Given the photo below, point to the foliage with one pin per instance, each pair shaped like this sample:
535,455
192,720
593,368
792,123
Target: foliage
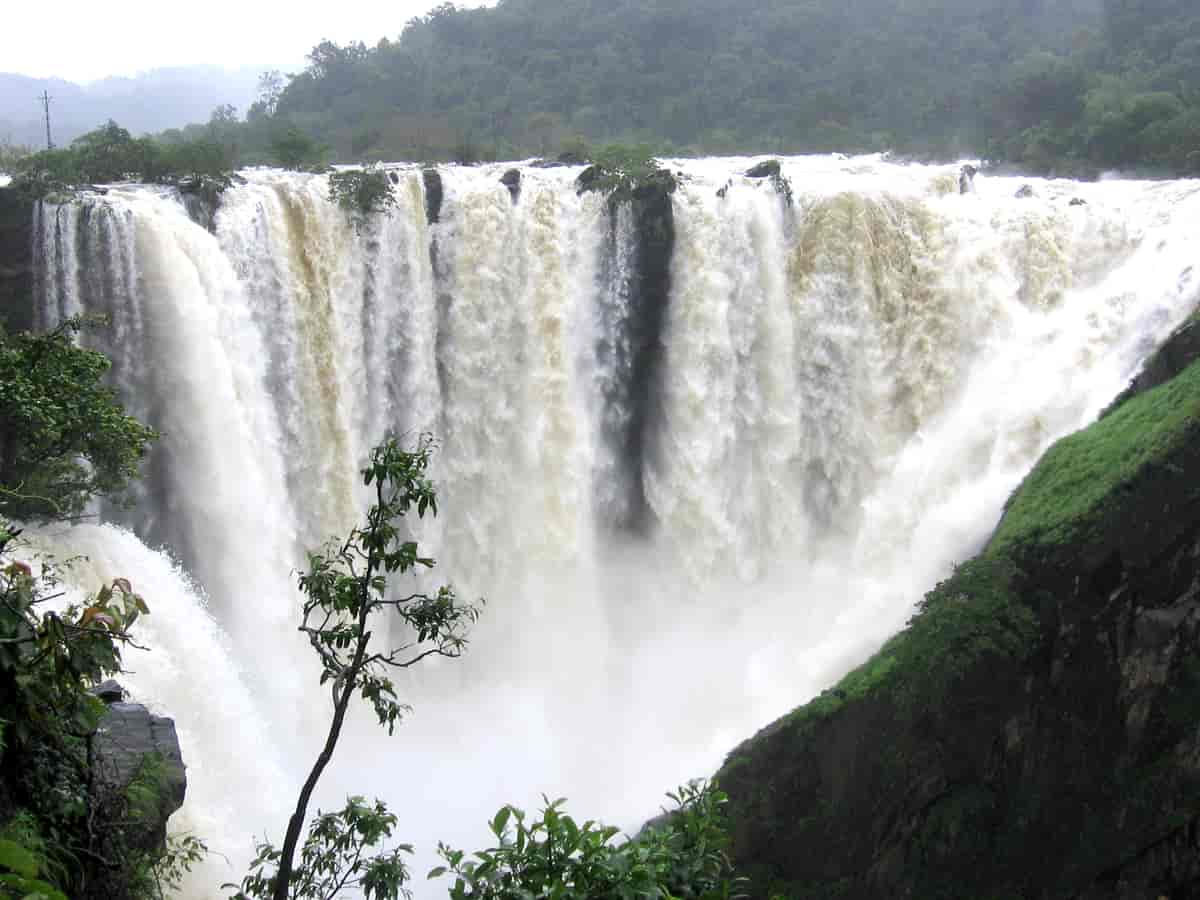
63,435
332,858
293,149
19,874
63,439
345,587
48,659
110,153
618,171
1068,85
167,869
680,855
11,154
362,192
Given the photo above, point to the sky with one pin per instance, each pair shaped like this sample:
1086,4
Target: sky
84,40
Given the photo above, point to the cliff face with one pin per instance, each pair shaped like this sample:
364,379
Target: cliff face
1035,732
16,258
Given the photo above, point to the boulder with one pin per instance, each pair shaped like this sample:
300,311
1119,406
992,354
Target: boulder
767,169
137,768
966,178
1077,201
512,180
570,158
109,691
588,178
1024,192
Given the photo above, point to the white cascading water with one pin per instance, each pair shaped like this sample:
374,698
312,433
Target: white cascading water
846,390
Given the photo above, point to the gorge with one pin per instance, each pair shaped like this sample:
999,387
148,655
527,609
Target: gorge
701,457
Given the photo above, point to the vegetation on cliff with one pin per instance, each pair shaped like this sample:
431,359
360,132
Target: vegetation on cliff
64,439
110,153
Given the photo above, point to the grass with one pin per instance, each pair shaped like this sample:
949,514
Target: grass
1077,492
1078,489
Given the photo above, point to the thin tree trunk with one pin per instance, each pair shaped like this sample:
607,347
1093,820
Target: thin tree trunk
283,875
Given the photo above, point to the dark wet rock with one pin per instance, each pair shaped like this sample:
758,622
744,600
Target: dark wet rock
768,169
512,180
16,258
966,179
589,178
137,771
1024,192
1177,352
434,193
1077,201
109,691
394,177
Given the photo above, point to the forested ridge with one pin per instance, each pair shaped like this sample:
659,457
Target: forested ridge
1062,85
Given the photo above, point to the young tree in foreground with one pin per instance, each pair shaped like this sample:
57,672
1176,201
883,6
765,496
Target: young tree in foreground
345,586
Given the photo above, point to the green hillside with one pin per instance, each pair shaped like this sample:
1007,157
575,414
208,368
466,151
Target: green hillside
1068,85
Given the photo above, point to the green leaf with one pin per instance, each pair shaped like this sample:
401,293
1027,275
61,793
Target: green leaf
500,822
17,859
436,872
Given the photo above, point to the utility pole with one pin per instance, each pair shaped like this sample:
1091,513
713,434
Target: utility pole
45,101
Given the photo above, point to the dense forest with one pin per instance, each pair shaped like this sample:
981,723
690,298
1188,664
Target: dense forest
1070,87
1055,85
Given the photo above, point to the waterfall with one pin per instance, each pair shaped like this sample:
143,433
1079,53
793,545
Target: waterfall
823,416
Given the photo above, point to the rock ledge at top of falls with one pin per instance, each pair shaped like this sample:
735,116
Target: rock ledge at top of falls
1035,731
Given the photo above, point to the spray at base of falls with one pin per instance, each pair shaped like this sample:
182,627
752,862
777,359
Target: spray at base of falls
845,391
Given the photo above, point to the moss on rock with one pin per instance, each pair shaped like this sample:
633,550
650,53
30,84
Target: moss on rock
1032,732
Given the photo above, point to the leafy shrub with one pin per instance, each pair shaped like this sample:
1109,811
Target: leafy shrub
64,436
332,858
362,192
618,171
682,854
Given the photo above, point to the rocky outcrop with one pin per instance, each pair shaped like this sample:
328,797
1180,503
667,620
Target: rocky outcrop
966,178
1175,355
16,259
434,193
512,180
654,228
768,169
137,769
1035,731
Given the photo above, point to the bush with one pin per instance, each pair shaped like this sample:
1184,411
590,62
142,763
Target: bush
682,854
63,435
362,192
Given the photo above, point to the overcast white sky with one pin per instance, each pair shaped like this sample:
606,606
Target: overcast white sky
82,40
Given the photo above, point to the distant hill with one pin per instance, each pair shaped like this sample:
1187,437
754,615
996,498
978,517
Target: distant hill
150,102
